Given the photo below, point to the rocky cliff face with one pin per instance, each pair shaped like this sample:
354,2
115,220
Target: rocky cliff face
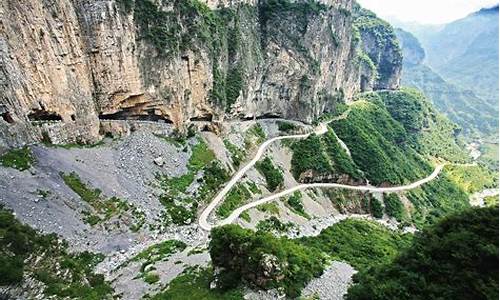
66,64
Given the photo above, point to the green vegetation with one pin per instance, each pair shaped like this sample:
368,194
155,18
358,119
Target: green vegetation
290,264
489,155
376,208
358,242
295,203
24,252
429,132
20,159
43,193
472,179
393,206
237,154
194,283
180,206
274,225
243,254
270,208
254,135
192,26
238,195
323,155
177,140
339,158
379,145
151,277
274,176
308,155
253,188
156,253
104,208
245,216
436,199
491,200
286,126
456,258
382,35
200,157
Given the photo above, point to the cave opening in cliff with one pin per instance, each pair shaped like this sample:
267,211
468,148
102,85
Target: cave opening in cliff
43,115
207,118
127,115
264,116
6,116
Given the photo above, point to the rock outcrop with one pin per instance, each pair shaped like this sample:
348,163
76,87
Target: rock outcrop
67,64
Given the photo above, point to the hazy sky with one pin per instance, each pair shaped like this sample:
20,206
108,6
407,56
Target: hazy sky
425,11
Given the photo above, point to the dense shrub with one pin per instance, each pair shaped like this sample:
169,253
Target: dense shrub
308,155
379,145
456,258
238,195
360,243
194,283
263,259
376,208
295,202
24,251
435,200
393,206
20,159
273,175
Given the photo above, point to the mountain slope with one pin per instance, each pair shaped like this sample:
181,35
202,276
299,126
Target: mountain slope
466,52
459,256
472,113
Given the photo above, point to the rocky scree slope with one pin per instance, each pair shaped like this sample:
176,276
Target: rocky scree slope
66,64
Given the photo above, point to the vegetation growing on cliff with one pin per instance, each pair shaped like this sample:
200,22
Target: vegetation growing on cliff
295,203
459,255
323,156
428,131
25,252
270,262
180,205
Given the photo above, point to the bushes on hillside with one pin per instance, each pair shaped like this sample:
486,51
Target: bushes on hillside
24,251
273,175
455,259
263,259
393,206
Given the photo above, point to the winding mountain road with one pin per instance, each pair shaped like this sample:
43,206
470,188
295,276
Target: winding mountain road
319,130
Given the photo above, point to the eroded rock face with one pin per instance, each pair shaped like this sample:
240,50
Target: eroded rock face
66,64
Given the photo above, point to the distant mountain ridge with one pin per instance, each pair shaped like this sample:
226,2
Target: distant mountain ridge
464,52
471,112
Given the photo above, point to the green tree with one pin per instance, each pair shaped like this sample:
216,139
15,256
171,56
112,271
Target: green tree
455,259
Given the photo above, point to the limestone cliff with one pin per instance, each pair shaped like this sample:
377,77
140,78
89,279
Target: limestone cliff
65,64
